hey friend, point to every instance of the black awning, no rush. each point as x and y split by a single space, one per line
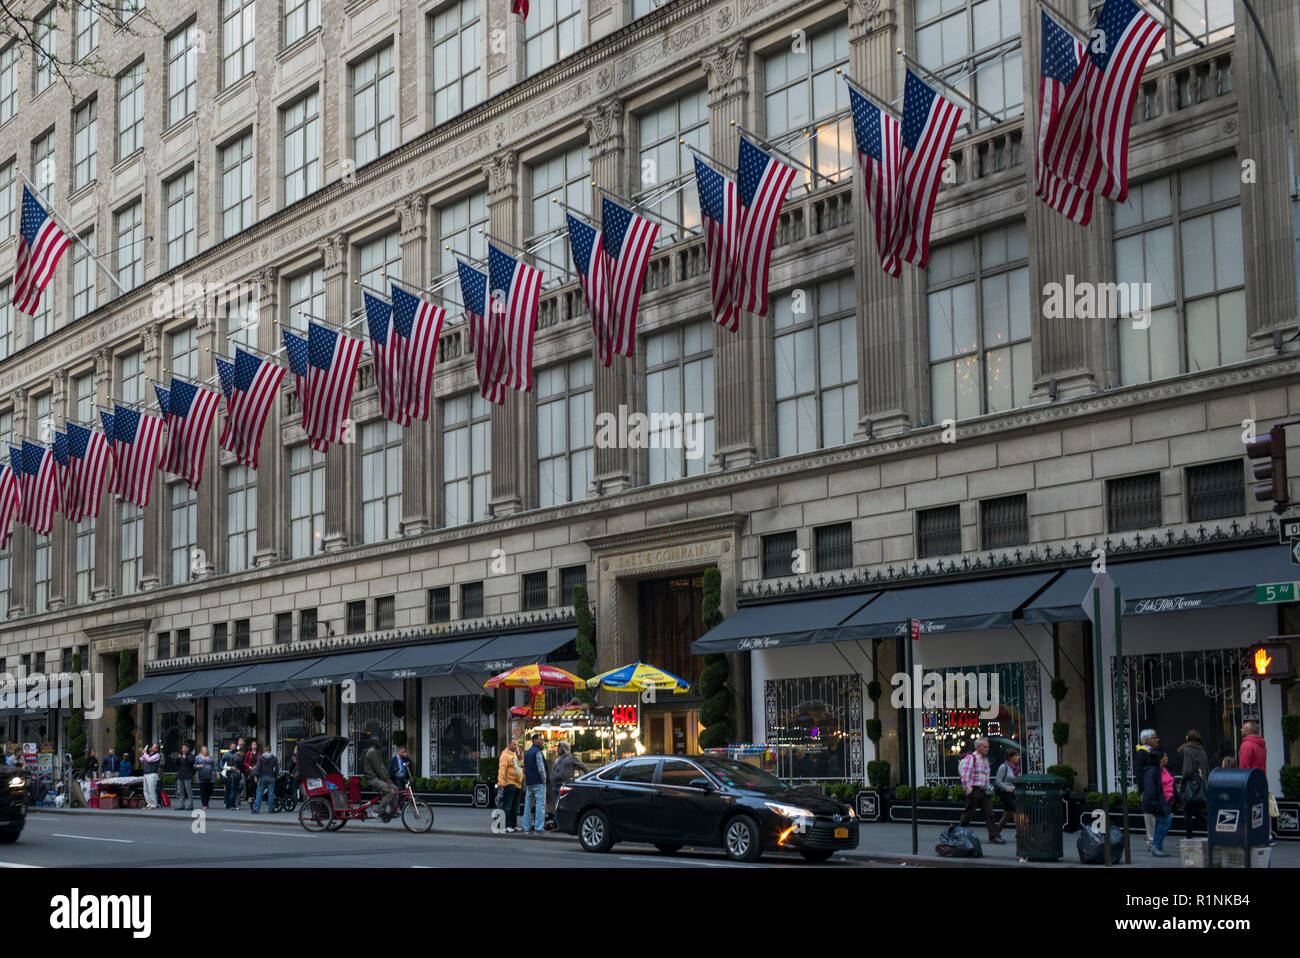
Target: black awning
418 661
263 677
1170 583
518 648
46 698
971 605
798 622
148 689
337 669
197 685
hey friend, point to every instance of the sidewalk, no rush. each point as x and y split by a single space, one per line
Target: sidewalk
884 843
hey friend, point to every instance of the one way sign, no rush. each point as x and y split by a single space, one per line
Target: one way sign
1290 529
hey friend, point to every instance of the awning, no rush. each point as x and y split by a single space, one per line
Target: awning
148 689
971 605
197 685
799 622
519 648
337 669
263 677
1170 583
418 661
50 698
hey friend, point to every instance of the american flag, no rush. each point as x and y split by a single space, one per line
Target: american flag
419 324
484 334
170 460
10 499
332 360
41 487
388 359
879 149
136 442
89 451
192 410
62 473
516 291
520 7
626 243
929 124
110 435
584 242
1060 80
40 244
253 388
226 377
764 181
295 347
720 211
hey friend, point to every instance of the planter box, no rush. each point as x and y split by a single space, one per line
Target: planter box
870 806
927 812
463 799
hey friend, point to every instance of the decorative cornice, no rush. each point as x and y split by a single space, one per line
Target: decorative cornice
331 250
604 123
500 172
725 67
411 213
683 530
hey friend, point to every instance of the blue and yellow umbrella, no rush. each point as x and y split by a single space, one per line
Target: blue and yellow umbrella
638 677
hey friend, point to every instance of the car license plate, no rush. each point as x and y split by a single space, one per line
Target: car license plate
841 833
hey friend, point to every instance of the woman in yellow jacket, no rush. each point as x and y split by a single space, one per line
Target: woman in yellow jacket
510 779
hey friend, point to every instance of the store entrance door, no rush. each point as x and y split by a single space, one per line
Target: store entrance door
672 732
671 617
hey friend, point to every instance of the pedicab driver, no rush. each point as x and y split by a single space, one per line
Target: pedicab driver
377 778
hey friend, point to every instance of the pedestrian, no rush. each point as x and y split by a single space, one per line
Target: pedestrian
535 786
250 779
185 780
567 765
1229 761
233 763
110 764
150 761
91 767
1158 798
1196 769
206 775
377 778
1254 754
399 768
265 768
974 772
1147 740
510 777
1005 786
124 766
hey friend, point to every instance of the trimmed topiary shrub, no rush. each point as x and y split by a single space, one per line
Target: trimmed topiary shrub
77 725
124 727
1092 798
487 704
924 793
399 737
399 709
1291 727
585 640
1063 771
903 793
956 794
1060 733
489 736
715 713
878 773
487 769
317 713
874 730
1290 775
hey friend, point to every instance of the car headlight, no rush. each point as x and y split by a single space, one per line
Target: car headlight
852 813
792 812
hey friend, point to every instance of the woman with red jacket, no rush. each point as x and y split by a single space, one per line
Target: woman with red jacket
250 782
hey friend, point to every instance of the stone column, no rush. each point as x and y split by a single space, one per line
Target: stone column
211 487
22 541
101 573
742 412
159 510
502 173
338 475
63 533
272 458
417 439
615 466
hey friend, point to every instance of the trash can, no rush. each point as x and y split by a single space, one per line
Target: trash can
1040 817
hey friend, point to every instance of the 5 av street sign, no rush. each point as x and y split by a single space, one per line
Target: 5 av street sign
1276 592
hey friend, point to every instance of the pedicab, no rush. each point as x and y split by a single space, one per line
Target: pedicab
333 800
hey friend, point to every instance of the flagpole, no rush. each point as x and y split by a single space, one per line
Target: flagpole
33 441
697 152
346 327
772 146
940 80
526 252
1066 22
357 282
59 220
129 405
1174 20
641 210
888 107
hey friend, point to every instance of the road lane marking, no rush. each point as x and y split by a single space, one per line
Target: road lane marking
250 831
92 838
18 865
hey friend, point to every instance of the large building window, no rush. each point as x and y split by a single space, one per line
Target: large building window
8 200
85 559
129 245
131 544
130 110
1210 20
1216 491
566 176
466 458
86 26
83 275
301 17
565 431
184 529
978 303
237 185
44 167
9 60
130 376
306 500
182 235
664 159
779 554
679 383
42 573
1181 236
300 123
184 353
306 296
1133 502
182 74
381 481
471 600
813 726
816 367
374 111
834 546
938 531
6 320
241 518
457 64
238 29
46 35
379 260
1004 522
85 144
800 91
964 41
552 31
459 223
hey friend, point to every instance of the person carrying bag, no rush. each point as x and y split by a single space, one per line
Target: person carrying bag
1196 769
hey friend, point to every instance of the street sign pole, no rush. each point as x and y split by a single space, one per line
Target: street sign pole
1101 716
1122 719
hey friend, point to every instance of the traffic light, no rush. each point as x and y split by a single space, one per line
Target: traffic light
1271 660
1270 451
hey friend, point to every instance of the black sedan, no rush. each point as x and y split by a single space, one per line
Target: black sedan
671 801
13 803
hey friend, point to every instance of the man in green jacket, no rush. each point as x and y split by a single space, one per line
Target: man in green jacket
377 777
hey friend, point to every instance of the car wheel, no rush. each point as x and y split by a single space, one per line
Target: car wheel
668 849
8 838
816 854
594 833
740 839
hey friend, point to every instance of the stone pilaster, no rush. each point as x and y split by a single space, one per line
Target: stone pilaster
22 541
417 439
338 458
272 465
615 466
159 511
502 173
63 533
101 573
211 491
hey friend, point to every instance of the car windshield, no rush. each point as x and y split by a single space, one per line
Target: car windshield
743 775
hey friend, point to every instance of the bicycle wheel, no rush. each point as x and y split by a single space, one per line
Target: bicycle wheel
336 823
417 817
316 815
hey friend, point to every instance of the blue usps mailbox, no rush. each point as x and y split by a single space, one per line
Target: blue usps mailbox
1238 809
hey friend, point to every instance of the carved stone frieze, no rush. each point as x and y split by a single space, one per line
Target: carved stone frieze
725 67
332 249
149 339
411 213
501 172
604 123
